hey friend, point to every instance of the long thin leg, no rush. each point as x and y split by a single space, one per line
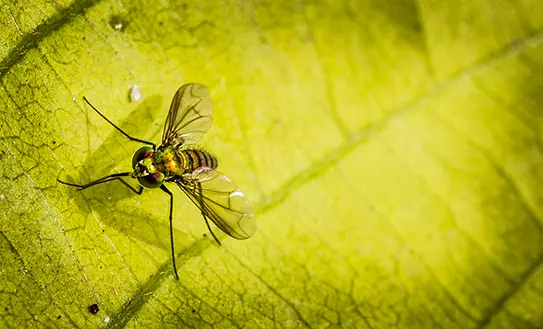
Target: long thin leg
119 129
205 217
105 179
165 189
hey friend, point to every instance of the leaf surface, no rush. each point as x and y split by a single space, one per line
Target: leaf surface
392 151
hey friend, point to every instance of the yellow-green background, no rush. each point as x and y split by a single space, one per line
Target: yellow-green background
393 151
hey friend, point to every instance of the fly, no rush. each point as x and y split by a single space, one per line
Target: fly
177 161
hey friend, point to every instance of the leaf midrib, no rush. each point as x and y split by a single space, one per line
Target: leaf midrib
54 23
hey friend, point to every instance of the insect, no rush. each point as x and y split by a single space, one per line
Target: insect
177 161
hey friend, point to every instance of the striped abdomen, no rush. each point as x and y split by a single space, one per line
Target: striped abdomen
194 159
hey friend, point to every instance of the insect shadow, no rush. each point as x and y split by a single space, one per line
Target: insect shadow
143 217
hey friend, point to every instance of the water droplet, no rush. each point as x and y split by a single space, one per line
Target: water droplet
118 23
135 94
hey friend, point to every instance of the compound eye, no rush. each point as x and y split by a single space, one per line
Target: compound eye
141 154
152 181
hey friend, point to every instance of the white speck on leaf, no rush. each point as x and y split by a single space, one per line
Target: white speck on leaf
135 94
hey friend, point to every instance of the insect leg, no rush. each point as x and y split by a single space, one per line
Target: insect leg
203 214
105 179
119 129
165 189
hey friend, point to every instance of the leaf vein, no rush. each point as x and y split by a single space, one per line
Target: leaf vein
43 30
522 281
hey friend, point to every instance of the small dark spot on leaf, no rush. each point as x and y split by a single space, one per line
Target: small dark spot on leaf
54 142
94 308
193 311
84 38
160 23
118 23
7 309
58 317
205 235
103 231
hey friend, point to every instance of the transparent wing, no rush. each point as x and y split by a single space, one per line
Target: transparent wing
189 116
219 199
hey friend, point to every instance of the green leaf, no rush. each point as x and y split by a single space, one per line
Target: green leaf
392 150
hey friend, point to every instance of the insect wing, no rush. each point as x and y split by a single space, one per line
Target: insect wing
219 199
189 116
